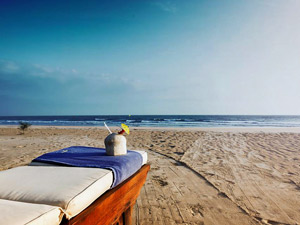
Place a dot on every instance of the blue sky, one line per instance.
(149, 57)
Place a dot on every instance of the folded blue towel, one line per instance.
(122, 166)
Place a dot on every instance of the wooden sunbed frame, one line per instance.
(115, 206)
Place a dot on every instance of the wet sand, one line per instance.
(198, 176)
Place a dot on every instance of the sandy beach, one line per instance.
(198, 175)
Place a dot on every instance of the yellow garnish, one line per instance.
(125, 128)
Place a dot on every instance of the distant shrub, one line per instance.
(24, 126)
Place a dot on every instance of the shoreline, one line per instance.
(213, 129)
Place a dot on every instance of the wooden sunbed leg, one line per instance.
(128, 216)
(129, 191)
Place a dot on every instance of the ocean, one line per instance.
(158, 120)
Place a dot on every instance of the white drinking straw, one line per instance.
(107, 128)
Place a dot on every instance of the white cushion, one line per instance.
(71, 188)
(144, 155)
(18, 213)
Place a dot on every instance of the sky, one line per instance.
(149, 57)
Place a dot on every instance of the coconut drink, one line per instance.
(115, 143)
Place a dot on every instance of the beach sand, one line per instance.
(198, 175)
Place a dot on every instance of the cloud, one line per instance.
(39, 89)
(8, 67)
(166, 6)
(36, 71)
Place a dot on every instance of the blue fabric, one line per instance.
(122, 166)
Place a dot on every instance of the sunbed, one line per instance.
(16, 213)
(82, 195)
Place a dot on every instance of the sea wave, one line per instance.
(158, 121)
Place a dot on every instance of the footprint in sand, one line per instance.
(162, 182)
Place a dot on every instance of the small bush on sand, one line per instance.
(23, 126)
